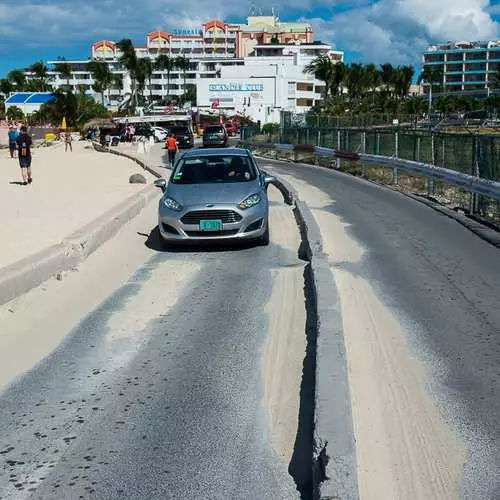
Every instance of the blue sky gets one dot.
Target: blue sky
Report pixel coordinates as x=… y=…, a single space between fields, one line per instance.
x=367 y=30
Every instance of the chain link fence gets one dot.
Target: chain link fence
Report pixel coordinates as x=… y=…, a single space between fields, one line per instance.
x=472 y=154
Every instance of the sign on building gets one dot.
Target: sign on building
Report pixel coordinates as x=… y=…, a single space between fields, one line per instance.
x=235 y=93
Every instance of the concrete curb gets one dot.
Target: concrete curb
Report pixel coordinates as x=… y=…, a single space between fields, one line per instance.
x=334 y=453
x=22 y=276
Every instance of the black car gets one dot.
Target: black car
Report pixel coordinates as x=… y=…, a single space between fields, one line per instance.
x=215 y=135
x=183 y=134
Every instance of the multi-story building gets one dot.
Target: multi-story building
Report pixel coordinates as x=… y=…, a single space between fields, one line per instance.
x=467 y=68
x=209 y=50
x=271 y=80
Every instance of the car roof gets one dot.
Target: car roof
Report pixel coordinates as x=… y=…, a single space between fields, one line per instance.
x=216 y=152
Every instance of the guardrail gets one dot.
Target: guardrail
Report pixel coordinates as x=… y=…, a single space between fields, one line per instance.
x=469 y=183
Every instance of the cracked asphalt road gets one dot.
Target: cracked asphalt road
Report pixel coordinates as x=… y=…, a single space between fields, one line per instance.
x=156 y=392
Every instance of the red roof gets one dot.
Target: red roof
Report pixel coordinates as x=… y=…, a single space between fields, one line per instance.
x=158 y=34
x=104 y=43
x=214 y=23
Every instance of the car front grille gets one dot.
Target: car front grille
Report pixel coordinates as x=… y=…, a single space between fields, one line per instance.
x=211 y=234
x=226 y=216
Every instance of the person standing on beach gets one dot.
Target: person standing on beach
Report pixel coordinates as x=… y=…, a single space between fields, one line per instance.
x=172 y=147
x=13 y=135
x=24 y=143
x=68 y=141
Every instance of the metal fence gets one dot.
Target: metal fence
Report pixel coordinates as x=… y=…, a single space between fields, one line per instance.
x=473 y=154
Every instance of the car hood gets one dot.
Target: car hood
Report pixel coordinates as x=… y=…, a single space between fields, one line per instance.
x=202 y=194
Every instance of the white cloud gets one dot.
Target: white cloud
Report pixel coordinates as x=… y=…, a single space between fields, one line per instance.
x=379 y=30
x=399 y=30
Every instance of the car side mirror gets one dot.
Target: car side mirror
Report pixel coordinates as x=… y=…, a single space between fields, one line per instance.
x=269 y=179
x=162 y=184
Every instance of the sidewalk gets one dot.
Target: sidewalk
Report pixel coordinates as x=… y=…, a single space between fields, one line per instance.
x=69 y=190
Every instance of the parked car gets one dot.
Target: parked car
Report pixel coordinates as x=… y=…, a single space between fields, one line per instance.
x=215 y=135
x=217 y=194
x=160 y=134
x=184 y=135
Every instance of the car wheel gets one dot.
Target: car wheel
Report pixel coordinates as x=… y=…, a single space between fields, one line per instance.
x=264 y=239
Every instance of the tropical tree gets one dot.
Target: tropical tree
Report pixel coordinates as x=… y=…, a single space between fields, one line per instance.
x=76 y=108
x=339 y=72
x=14 y=113
x=144 y=73
x=402 y=78
x=182 y=64
x=6 y=87
x=373 y=79
x=165 y=63
x=432 y=76
x=190 y=94
x=102 y=76
x=65 y=70
x=322 y=68
x=355 y=81
x=117 y=82
x=39 y=71
x=387 y=77
x=128 y=59
x=18 y=79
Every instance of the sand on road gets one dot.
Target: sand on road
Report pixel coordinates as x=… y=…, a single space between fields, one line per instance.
x=69 y=190
x=404 y=448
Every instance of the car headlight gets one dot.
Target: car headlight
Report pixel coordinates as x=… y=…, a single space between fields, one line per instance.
x=172 y=204
x=250 y=201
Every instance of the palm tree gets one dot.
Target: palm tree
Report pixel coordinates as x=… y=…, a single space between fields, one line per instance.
x=144 y=73
x=117 y=82
x=322 y=68
x=102 y=76
x=40 y=72
x=6 y=87
x=182 y=64
x=18 y=79
x=128 y=59
x=431 y=76
x=355 y=80
x=337 y=78
x=372 y=79
x=165 y=63
x=387 y=76
x=407 y=74
x=65 y=71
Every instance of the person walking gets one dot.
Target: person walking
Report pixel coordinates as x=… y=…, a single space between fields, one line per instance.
x=13 y=135
x=68 y=141
x=172 y=147
x=24 y=143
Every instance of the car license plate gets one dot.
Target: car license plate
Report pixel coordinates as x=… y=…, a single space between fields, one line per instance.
x=210 y=225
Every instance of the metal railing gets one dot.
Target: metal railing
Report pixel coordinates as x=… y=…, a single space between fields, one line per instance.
x=468 y=163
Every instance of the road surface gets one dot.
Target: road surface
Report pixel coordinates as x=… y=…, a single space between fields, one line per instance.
x=158 y=375
x=420 y=306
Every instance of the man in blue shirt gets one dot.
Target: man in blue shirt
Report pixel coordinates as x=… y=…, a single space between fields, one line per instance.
x=13 y=135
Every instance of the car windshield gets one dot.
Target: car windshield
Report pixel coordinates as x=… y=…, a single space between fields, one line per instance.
x=214 y=130
x=179 y=130
x=213 y=169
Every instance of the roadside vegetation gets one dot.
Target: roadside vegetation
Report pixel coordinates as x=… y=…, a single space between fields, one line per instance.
x=367 y=88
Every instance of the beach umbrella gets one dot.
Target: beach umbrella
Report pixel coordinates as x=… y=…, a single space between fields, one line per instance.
x=63 y=123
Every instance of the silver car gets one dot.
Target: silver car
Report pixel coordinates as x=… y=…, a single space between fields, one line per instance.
x=215 y=194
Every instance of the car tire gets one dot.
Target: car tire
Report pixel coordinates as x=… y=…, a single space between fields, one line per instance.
x=264 y=239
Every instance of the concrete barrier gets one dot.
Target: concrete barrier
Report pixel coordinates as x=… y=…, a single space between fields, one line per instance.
x=334 y=454
x=22 y=276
